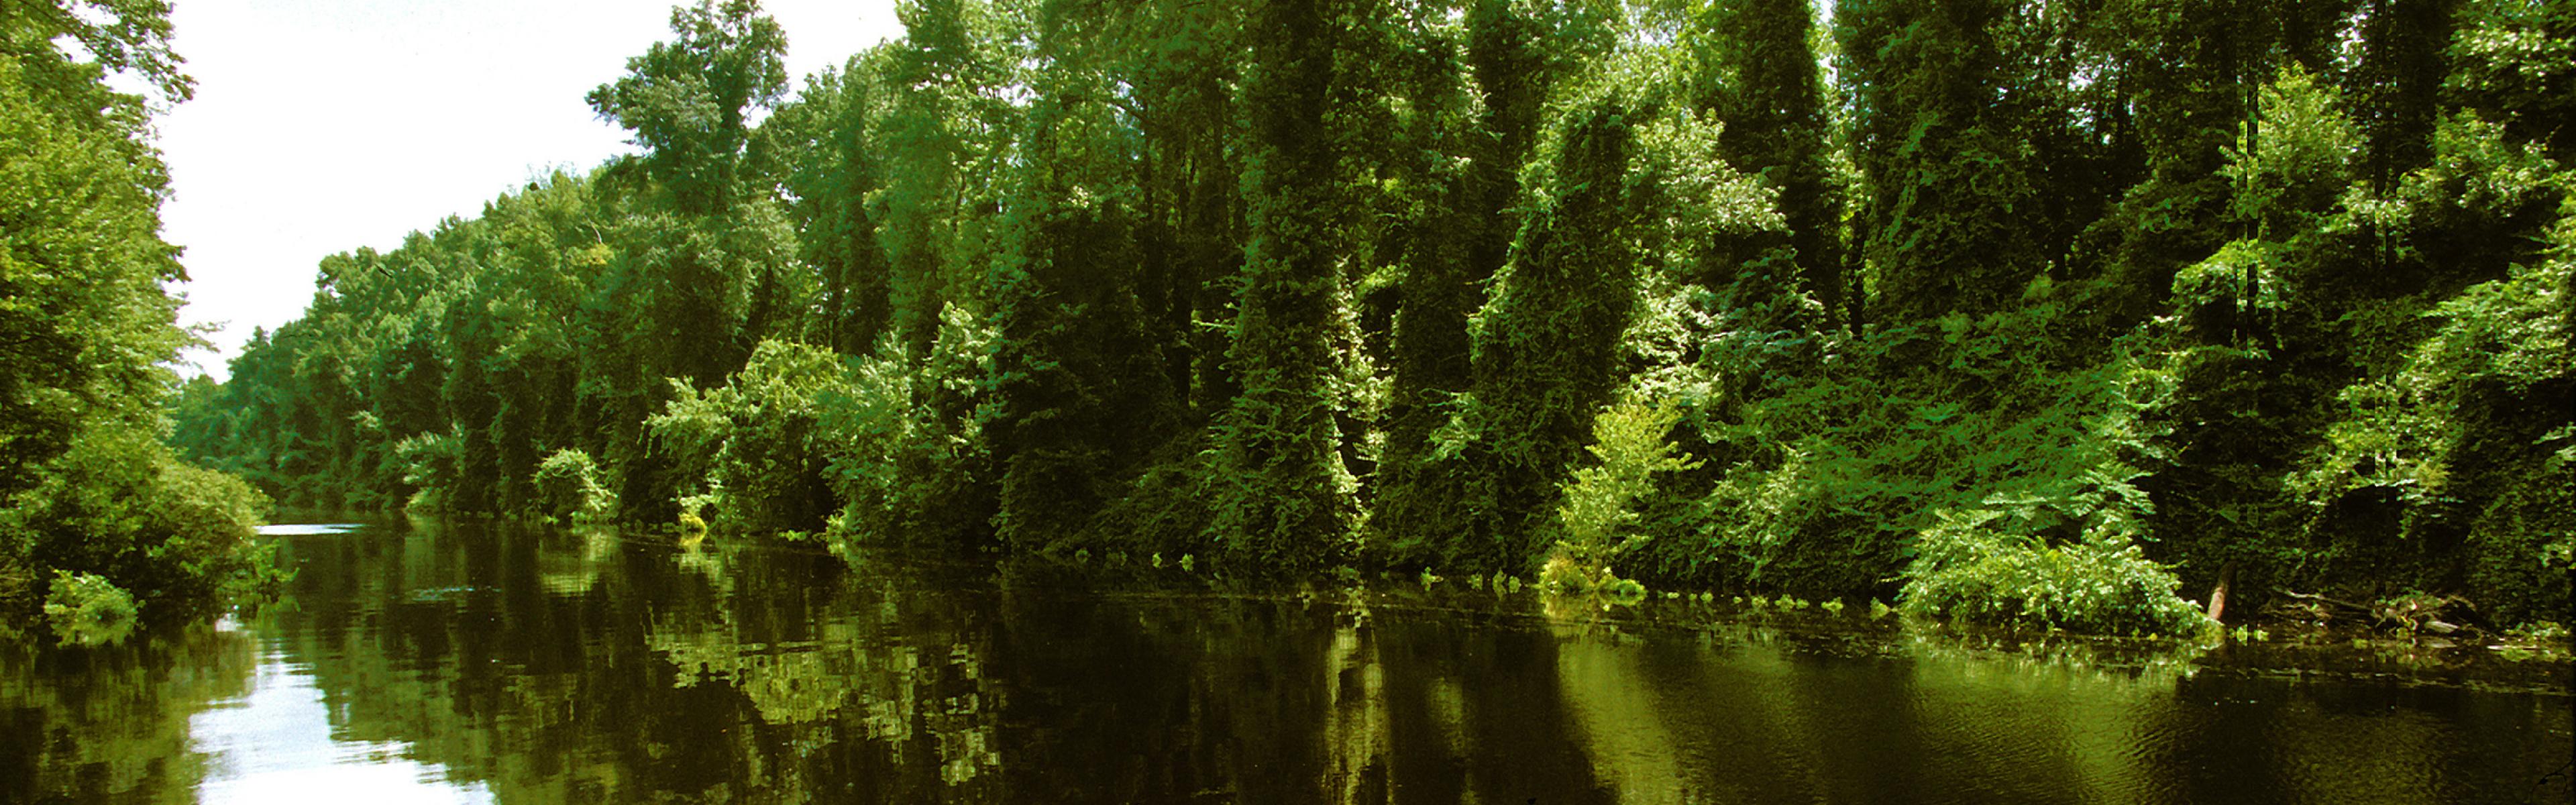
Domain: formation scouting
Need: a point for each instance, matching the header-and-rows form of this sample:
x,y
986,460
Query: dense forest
x,y
2054,312
101,524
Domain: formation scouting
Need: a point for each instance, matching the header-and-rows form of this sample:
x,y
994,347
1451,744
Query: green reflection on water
x,y
535,665
111,723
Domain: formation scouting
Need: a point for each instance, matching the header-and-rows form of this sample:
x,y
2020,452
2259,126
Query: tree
x,y
1547,342
2399,82
1509,59
1079,391
81,262
828,164
696,252
88,495
1287,500
1429,348
689,101
946,130
1769,93
1950,186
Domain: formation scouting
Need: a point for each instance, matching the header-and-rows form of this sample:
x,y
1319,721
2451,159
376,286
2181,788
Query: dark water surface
x,y
418,662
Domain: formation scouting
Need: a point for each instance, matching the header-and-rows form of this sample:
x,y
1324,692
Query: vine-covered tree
x,y
1287,499
2129,300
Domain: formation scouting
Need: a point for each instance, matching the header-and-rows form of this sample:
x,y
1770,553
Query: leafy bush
x,y
86,609
176,538
754,450
2473,436
429,467
2515,63
2103,583
1630,450
568,483
2301,162
1827,454
910,460
1165,509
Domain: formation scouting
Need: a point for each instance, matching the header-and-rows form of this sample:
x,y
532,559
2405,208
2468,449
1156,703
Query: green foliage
x,y
88,610
1629,447
92,506
1767,87
830,166
83,319
911,466
2361,396
1078,394
2102,582
430,468
1286,499
1952,189
1449,240
689,101
569,486
2292,169
1165,507
2514,62
755,449
2472,436
1826,457
2034,315
1546,341
176,537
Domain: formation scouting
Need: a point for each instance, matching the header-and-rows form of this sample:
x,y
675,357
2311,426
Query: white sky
x,y
321,126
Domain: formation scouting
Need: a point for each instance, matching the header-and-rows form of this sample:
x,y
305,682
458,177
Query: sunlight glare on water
x,y
275,745
306,529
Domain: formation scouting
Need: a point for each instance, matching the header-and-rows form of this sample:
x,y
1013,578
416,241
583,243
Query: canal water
x,y
419,662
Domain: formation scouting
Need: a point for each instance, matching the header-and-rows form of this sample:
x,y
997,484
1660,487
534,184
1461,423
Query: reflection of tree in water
x,y
110,723
1617,717
1356,730
573,572
840,683
1322,696
1161,697
595,666
902,670
661,675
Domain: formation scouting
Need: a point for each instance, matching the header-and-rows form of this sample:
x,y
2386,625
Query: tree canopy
x,y
2028,311
100,525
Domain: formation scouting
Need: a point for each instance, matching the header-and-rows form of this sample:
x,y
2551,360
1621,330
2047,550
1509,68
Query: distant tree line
x,y
2054,312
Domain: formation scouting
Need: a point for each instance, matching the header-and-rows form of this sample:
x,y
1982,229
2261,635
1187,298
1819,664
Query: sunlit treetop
x,y
688,100
68,46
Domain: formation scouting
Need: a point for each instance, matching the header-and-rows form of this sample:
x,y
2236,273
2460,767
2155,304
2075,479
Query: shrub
x,y
910,451
2471,437
569,486
753,452
86,609
2102,583
429,467
1630,448
175,537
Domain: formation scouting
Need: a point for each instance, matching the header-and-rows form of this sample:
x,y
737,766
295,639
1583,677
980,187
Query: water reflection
x,y
415,661
274,743
111,723
307,529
